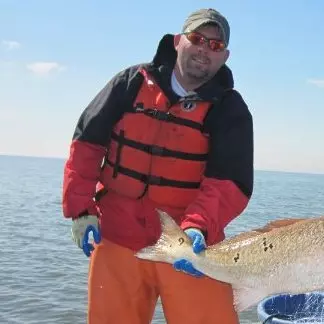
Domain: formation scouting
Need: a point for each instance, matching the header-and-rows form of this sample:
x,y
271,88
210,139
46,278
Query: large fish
x,y
285,256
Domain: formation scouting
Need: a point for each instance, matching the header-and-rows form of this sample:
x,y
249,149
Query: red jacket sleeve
x,y
218,203
89,144
81,175
228,183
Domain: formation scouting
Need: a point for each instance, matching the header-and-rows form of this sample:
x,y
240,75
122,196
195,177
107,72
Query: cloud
x,y
45,68
317,82
10,45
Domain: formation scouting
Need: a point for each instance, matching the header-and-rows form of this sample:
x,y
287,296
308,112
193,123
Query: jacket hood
x,y
166,55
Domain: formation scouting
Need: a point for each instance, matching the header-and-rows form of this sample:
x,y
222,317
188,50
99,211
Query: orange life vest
x,y
159,150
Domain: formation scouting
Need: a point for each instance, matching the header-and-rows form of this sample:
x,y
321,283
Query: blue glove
x,y
197,238
198,245
81,227
86,246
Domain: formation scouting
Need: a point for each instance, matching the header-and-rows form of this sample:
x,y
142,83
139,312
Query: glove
x,y
81,227
198,245
197,238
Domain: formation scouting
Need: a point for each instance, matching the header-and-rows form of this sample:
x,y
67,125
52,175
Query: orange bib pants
x,y
124,290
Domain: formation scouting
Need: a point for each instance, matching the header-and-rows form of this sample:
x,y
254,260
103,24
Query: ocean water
x,y
43,276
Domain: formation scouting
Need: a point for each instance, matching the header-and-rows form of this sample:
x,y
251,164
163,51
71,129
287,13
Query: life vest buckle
x,y
160,115
139,107
156,150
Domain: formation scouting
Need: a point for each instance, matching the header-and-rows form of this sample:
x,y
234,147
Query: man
x,y
172,134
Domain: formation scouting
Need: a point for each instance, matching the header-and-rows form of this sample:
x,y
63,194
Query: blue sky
x,y
56,55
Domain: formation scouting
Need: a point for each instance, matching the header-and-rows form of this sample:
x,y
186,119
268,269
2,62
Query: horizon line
x,y
321,173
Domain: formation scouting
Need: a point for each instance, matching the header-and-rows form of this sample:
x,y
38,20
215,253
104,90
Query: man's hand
x,y
198,245
81,227
197,238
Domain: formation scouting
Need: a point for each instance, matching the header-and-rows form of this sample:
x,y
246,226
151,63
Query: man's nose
x,y
203,48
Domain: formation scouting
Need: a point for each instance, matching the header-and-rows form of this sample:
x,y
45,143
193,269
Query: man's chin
x,y
197,77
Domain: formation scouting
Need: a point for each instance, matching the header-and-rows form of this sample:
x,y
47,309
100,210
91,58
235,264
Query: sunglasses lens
x,y
195,38
216,45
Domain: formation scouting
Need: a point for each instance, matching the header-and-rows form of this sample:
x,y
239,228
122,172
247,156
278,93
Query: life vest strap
x,y
154,180
157,150
119,149
100,193
167,117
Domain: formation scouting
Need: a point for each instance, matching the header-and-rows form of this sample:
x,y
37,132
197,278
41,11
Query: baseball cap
x,y
207,16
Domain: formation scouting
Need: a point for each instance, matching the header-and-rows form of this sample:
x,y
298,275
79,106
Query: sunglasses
x,y
196,38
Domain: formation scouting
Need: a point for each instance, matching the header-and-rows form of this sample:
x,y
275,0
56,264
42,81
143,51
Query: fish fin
x,y
245,297
167,246
279,224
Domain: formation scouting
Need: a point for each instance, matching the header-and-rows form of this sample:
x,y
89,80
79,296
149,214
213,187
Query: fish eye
x,y
181,240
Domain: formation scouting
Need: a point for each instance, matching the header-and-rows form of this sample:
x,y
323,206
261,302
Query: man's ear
x,y
226,55
176,40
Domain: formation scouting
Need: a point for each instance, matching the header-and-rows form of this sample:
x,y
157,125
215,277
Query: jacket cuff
x,y
91,210
195,221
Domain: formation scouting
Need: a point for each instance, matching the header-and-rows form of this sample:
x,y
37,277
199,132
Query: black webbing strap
x,y
157,150
99,194
154,180
167,117
121,142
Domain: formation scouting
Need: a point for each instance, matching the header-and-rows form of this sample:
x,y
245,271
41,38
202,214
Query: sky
x,y
55,56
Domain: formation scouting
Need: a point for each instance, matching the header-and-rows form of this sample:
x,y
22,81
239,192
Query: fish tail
x,y
169,246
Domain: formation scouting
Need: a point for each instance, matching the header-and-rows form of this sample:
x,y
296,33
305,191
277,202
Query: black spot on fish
x,y
266,246
181,240
237,257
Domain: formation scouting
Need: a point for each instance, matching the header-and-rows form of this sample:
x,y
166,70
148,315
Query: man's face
x,y
198,63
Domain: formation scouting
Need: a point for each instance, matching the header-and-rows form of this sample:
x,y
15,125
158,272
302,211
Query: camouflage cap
x,y
207,16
